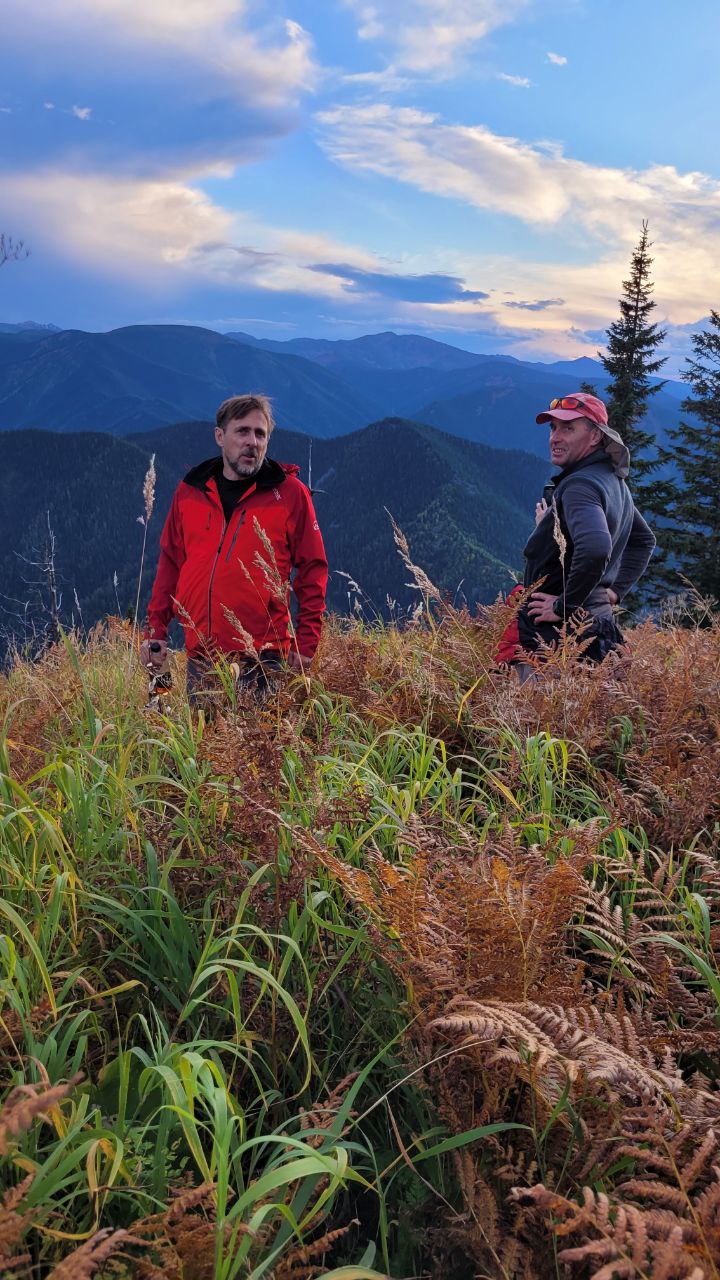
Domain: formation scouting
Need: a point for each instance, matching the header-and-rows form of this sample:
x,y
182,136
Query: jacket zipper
x,y
238,526
212,575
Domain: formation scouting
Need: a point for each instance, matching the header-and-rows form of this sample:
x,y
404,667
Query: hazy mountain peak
x,y
28,326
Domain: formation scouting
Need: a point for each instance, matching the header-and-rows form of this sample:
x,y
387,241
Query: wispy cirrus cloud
x,y
601,206
387,81
430,35
520,82
598,208
558,59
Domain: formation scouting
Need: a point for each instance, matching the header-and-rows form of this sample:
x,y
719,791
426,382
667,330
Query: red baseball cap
x,y
579,405
583,405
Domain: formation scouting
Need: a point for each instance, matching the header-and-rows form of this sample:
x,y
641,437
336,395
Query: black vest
x,y
542,554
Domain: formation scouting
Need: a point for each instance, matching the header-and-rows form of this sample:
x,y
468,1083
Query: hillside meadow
x,y
411,971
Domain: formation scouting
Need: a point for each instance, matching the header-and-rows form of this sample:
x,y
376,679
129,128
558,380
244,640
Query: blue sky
x,y
476,170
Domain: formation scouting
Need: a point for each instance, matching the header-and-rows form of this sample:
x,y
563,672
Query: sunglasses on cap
x,y
568,402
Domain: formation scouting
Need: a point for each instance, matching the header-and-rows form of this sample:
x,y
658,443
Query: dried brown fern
x,y
179,1242
13,1225
25,1103
90,1257
298,1264
552,1048
487,922
315,1121
679,1240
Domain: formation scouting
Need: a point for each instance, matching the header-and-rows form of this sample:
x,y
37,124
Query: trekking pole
x,y
159,684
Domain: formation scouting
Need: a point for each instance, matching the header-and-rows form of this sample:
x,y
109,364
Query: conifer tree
x,y
631,361
694,504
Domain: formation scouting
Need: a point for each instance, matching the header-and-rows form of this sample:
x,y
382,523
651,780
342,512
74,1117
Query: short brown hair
x,y
240,406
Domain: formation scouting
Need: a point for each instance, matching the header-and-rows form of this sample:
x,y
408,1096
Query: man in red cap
x,y
590,545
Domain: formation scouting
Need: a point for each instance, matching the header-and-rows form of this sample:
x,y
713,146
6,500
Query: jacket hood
x,y
270,475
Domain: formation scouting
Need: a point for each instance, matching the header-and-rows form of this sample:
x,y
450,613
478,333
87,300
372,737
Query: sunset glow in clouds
x,y
478,172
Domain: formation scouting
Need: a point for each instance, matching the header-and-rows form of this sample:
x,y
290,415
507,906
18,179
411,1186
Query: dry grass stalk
x,y
420,580
149,489
558,535
144,520
244,635
276,584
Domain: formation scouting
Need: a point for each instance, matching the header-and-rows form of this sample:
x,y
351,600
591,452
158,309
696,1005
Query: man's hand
x,y
612,597
154,657
541,508
541,609
298,662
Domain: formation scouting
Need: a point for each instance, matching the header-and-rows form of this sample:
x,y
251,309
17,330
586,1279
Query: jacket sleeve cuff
x,y
155,631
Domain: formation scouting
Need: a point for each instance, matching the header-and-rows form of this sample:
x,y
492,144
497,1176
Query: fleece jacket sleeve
x,y
636,556
311,573
172,556
585,520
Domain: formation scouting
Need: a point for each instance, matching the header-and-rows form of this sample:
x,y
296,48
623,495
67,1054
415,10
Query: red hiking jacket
x,y
206,564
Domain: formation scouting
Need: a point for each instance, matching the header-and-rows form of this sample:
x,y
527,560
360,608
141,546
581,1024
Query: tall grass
x,y
332,976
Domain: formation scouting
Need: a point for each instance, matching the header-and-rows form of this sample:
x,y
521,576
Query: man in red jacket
x,y
238,527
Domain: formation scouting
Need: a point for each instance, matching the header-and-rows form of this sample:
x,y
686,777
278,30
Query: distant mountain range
x,y
146,376
465,508
372,351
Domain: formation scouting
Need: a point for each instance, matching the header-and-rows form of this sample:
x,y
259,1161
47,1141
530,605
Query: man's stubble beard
x,y
247,471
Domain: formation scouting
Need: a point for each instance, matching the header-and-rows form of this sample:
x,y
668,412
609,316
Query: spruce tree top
x,y
630,359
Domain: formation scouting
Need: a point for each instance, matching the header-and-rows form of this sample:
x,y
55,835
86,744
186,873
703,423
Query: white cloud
x,y
428,35
82,113
165,233
468,163
268,66
558,59
120,225
6,111
49,106
387,81
601,208
521,82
